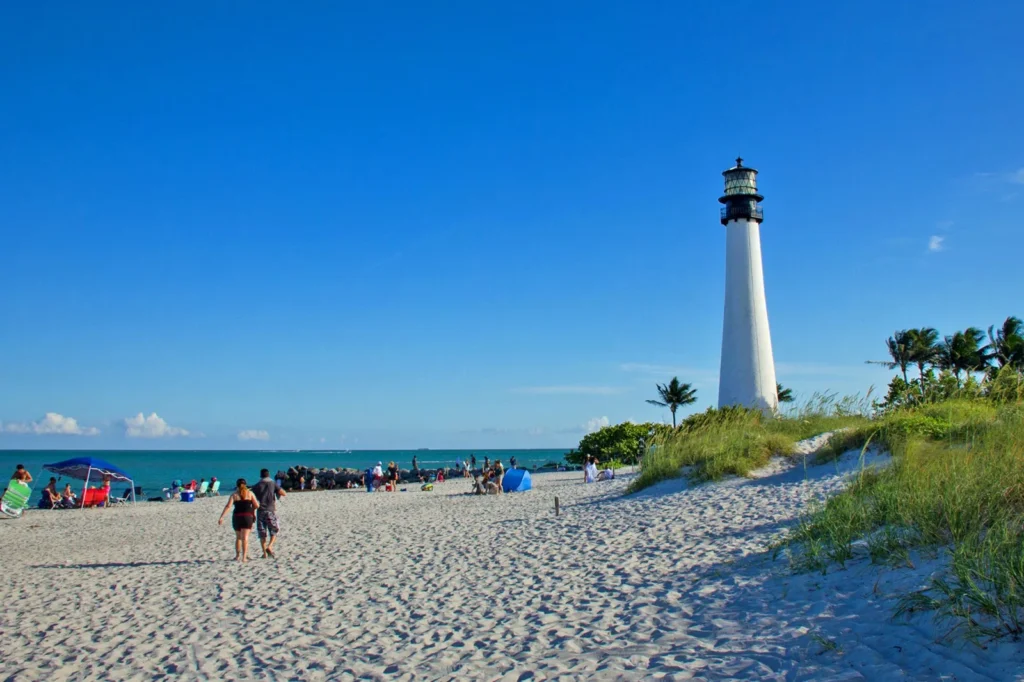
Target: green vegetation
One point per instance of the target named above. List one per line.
(674, 395)
(624, 442)
(956, 482)
(735, 440)
(785, 394)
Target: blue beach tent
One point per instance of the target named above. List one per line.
(84, 468)
(516, 481)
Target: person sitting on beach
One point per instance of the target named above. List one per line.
(51, 498)
(499, 474)
(490, 486)
(175, 490)
(478, 486)
(440, 476)
(312, 483)
(21, 474)
(68, 499)
(606, 474)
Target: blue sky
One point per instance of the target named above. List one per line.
(478, 224)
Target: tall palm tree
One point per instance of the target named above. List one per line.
(673, 394)
(785, 394)
(1006, 345)
(899, 346)
(923, 343)
(963, 352)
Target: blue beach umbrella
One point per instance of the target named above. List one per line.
(83, 469)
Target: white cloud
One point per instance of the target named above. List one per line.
(257, 434)
(935, 242)
(323, 440)
(150, 427)
(51, 424)
(596, 424)
(568, 390)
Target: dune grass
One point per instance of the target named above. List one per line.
(718, 443)
(956, 484)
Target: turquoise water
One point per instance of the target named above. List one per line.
(155, 469)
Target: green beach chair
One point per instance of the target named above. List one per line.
(202, 489)
(15, 499)
(214, 490)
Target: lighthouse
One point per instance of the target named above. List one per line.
(747, 375)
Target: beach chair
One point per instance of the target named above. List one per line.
(203, 488)
(126, 498)
(94, 497)
(48, 502)
(214, 490)
(15, 499)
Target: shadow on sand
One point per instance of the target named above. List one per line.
(129, 564)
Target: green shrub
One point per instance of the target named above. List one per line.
(619, 441)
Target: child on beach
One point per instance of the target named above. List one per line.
(68, 498)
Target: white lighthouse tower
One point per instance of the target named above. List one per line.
(748, 369)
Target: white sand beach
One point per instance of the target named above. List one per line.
(671, 583)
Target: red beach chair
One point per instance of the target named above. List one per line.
(94, 497)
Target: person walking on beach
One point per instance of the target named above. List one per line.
(487, 463)
(242, 518)
(512, 462)
(267, 493)
(472, 461)
(414, 467)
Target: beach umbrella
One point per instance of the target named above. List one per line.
(83, 469)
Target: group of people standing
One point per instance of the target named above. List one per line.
(254, 506)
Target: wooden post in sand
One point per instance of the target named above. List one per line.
(556, 505)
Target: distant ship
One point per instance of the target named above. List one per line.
(422, 449)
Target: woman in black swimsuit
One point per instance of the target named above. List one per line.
(242, 518)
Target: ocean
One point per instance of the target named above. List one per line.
(155, 469)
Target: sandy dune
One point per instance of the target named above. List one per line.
(671, 583)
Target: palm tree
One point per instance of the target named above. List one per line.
(899, 345)
(1006, 345)
(673, 395)
(785, 394)
(963, 352)
(923, 343)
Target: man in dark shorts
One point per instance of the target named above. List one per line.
(267, 493)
